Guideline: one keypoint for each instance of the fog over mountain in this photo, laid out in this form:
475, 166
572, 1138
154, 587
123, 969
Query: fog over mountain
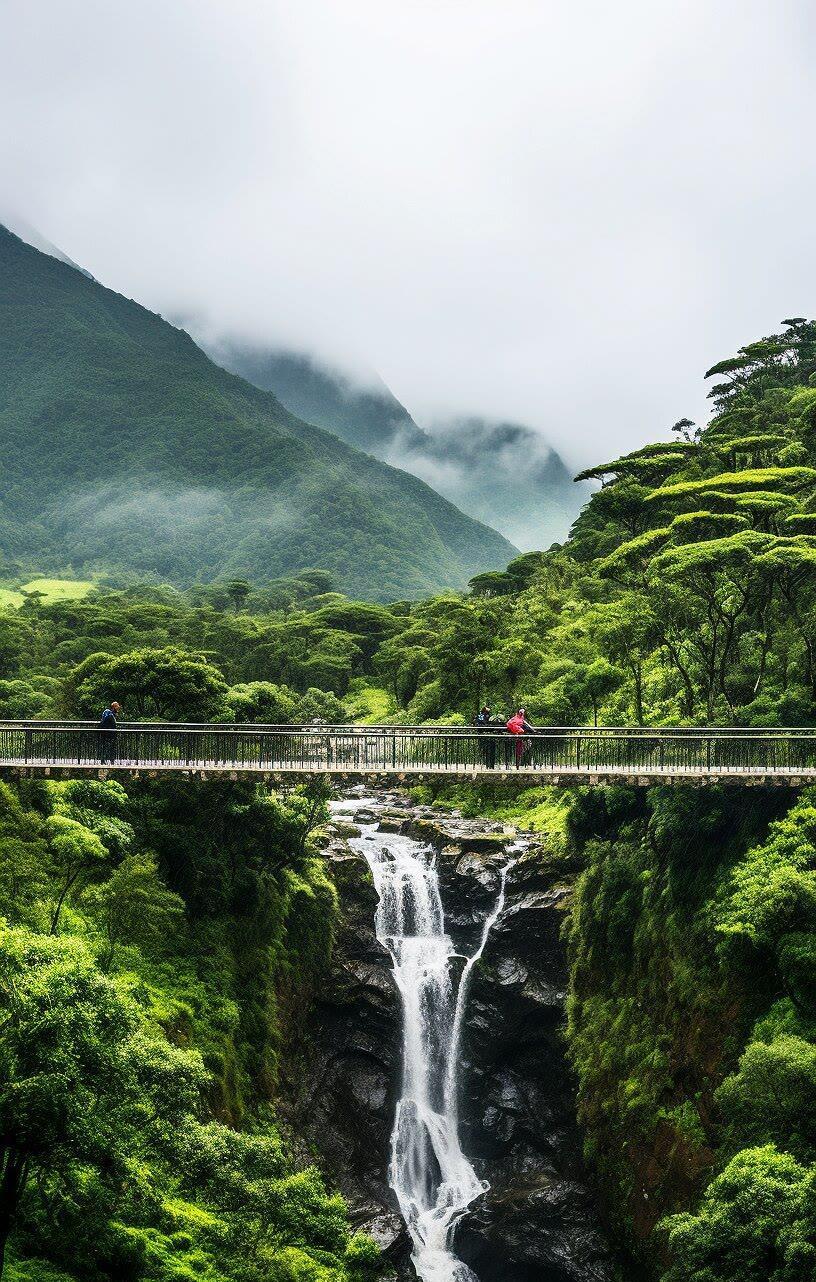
503, 473
127, 450
519, 210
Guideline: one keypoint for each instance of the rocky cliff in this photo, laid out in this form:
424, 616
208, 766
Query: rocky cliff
537, 1220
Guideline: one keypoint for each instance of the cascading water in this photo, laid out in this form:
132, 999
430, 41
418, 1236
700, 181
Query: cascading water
432, 1178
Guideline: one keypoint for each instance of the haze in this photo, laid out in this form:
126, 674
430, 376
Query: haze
558, 214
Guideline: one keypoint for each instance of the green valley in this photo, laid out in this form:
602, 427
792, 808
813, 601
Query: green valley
198, 919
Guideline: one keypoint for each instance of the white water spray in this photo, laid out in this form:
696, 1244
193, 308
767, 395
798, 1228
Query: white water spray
432, 1178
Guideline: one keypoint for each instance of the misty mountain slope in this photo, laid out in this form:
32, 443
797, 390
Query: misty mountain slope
370, 418
125, 446
504, 474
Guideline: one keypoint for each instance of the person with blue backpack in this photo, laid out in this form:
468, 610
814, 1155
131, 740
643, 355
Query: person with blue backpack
107, 733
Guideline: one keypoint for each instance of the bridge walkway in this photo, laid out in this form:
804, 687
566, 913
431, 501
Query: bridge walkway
559, 755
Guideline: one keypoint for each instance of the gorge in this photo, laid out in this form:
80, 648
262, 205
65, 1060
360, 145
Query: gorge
433, 1078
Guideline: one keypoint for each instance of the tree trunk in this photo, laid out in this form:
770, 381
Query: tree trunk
69, 883
637, 672
15, 1174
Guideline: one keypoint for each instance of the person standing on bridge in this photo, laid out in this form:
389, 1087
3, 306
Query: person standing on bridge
486, 729
520, 726
107, 733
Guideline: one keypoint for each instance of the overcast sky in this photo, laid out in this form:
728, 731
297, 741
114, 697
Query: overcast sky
556, 212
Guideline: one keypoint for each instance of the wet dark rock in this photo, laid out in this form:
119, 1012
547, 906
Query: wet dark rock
389, 824
340, 1081
467, 834
340, 828
537, 1222
386, 1228
541, 1230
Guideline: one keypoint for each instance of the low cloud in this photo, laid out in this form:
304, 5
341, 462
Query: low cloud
558, 215
505, 474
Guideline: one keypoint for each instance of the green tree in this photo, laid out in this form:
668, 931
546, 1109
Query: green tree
238, 590
85, 1083
168, 685
24, 860
76, 855
260, 701
756, 1223
320, 705
134, 907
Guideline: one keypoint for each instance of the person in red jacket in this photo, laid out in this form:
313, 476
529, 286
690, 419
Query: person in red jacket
520, 726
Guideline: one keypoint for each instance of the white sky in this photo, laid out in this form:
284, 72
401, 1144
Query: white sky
556, 212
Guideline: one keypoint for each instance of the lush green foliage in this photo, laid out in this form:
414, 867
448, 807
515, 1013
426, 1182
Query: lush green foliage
170, 655
156, 943
687, 592
757, 1222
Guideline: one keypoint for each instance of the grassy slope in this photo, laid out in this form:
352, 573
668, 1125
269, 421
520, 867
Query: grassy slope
121, 439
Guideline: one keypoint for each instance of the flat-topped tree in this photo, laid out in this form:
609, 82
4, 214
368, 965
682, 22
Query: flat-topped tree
796, 480
791, 562
766, 509
799, 523
780, 360
700, 527
760, 449
661, 456
494, 583
632, 558
238, 591
713, 586
617, 512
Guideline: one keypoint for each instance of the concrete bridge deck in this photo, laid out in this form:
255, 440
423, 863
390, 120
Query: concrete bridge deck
556, 755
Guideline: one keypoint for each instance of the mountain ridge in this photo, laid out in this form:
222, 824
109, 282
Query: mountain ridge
98, 393
500, 472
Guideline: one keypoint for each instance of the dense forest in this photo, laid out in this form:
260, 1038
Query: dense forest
158, 944
160, 948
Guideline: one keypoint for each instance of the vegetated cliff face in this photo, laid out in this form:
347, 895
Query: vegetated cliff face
537, 1221
691, 1024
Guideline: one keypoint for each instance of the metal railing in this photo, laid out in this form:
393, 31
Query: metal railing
701, 751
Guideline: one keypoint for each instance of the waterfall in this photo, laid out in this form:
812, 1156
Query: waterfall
432, 1178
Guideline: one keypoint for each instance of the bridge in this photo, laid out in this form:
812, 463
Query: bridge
555, 755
